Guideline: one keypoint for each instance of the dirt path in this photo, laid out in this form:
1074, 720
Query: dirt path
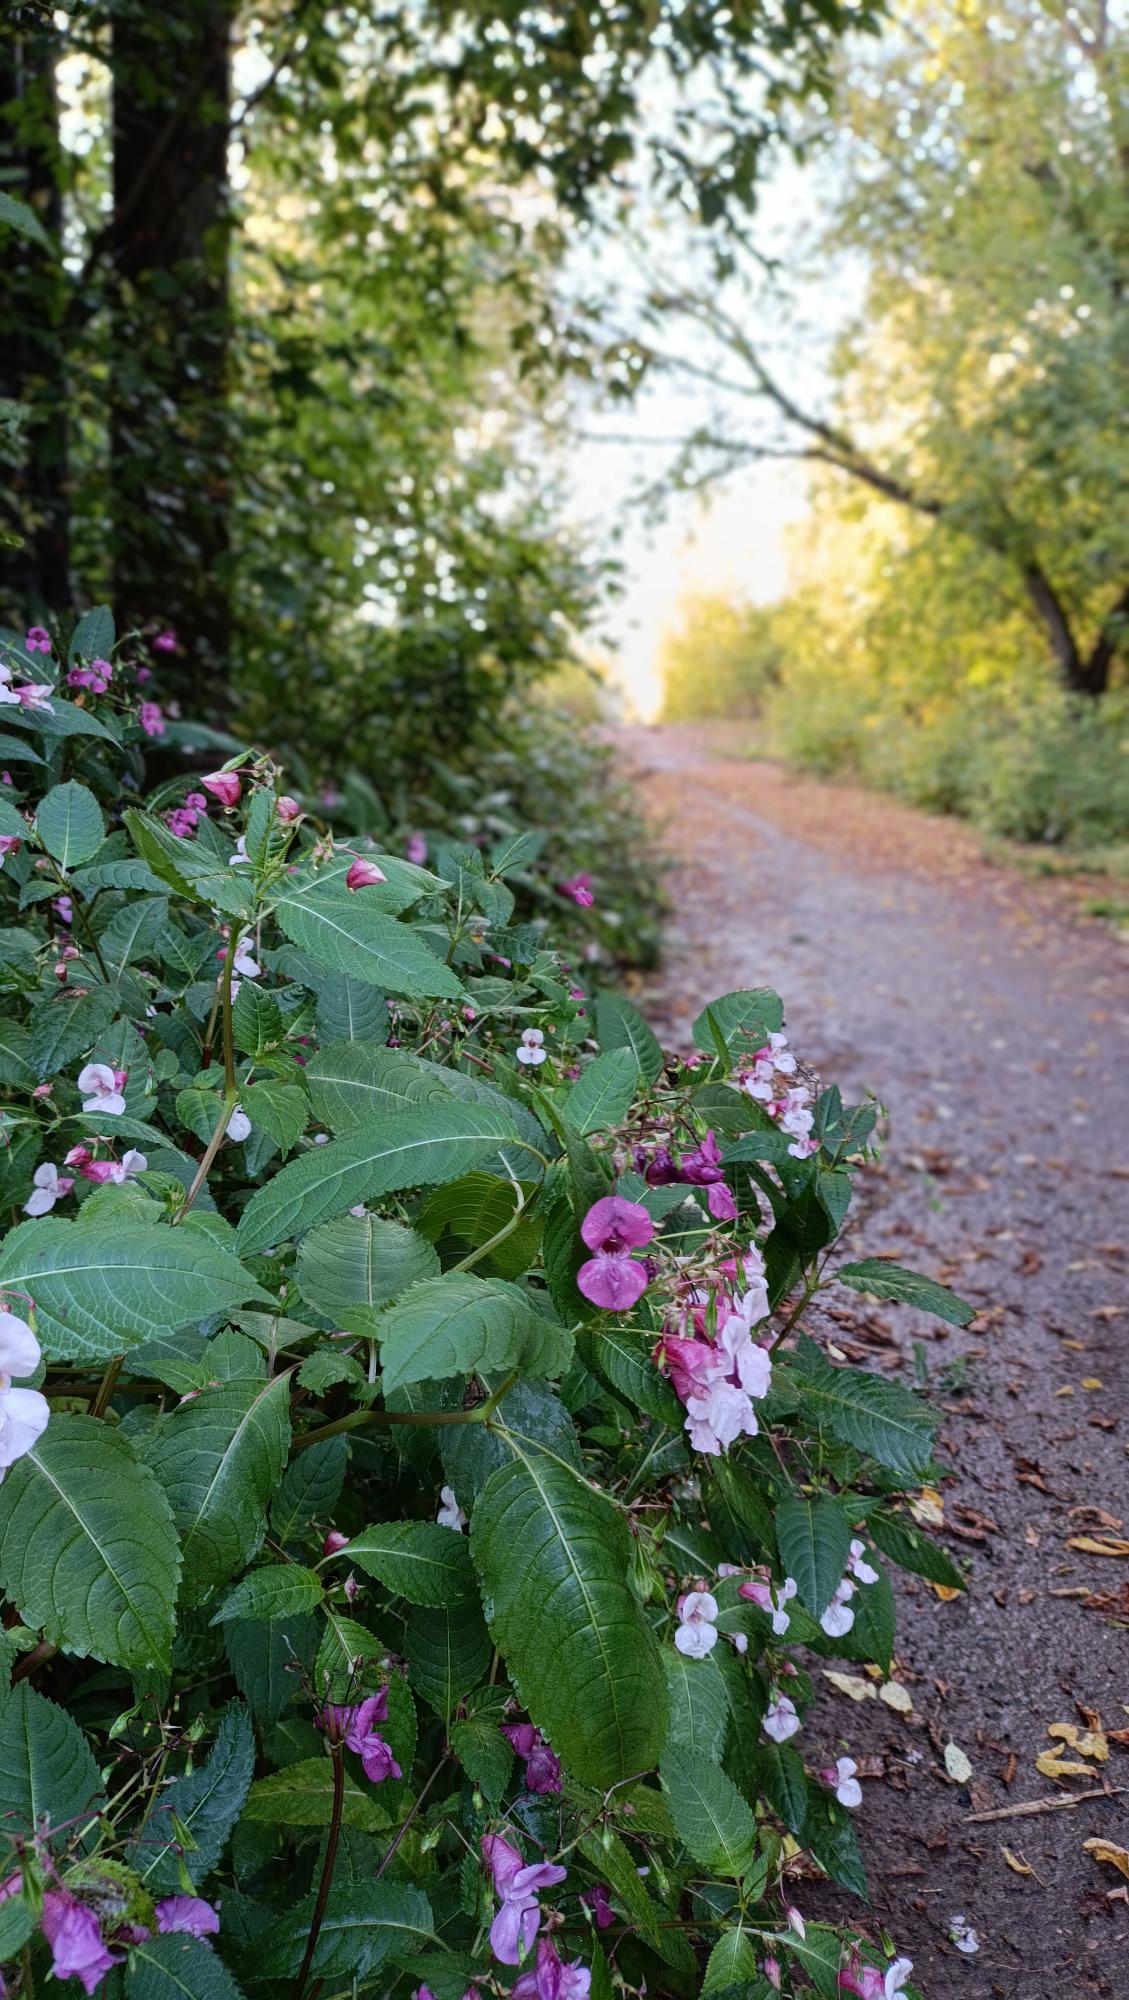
994, 1024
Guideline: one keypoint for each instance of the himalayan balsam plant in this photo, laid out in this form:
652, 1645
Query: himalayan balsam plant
421, 1501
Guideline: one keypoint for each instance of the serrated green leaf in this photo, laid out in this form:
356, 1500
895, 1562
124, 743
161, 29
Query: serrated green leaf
619, 1025
477, 1208
352, 1083
435, 1142
18, 216
780, 1771
601, 1097
310, 1489
909, 1546
67, 1025
448, 1652
458, 1323
177, 1967
88, 1551
256, 1019
45, 1766
699, 1705
189, 866
206, 1802
281, 1110
891, 1281
280, 1591
622, 1359
69, 823
348, 1010
348, 931
219, 1459
302, 1795
98, 1291
365, 1924
820, 1953
744, 1019
93, 636
553, 1558
878, 1417
417, 1560
711, 1818
361, 1260
814, 1540
271, 1661
732, 1962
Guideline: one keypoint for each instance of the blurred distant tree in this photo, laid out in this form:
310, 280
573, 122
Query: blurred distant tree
720, 659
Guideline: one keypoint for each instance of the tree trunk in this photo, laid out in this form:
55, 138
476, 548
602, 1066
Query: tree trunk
34, 573
169, 434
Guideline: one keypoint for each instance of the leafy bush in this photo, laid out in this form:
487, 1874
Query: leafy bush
326, 1210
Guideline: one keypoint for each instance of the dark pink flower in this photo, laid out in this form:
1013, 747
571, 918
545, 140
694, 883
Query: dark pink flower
364, 874
151, 719
38, 641
596, 1903
615, 1284
334, 1542
77, 1950
224, 786
415, 848
542, 1765
165, 642
353, 1726
518, 1921
552, 1979
187, 1913
579, 889
613, 1227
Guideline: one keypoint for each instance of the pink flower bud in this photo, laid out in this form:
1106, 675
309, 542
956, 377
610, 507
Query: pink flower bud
351, 1587
224, 786
42, 1090
334, 1542
287, 809
363, 874
78, 1156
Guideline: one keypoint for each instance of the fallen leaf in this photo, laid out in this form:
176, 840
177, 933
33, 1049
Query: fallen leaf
957, 1764
1087, 1742
1067, 1391
1107, 1312
1092, 1382
945, 1592
928, 1508
1093, 1545
852, 1685
896, 1696
1104, 1850
1060, 1767
1013, 1861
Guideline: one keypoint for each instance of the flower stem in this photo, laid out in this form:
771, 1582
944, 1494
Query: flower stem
106, 1386
358, 1418
202, 1171
337, 1752
229, 1081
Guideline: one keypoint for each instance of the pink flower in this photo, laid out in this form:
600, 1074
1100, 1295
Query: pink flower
224, 786
77, 1950
869, 1984
38, 641
334, 1542
518, 1921
542, 1765
287, 808
771, 1598
34, 695
187, 1913
24, 1413
530, 1050
552, 1979
165, 642
843, 1782
717, 1382
450, 1514
780, 1720
96, 676
579, 889
143, 674
363, 874
64, 909
100, 1087
613, 1227
771, 1970
697, 1634
48, 1187
415, 849
10, 843
353, 1726
78, 1156
595, 1903
115, 1171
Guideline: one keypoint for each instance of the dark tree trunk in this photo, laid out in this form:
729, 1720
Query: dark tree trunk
169, 436
34, 574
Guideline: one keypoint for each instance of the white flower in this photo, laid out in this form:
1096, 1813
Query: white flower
100, 1090
838, 1617
127, 1167
450, 1514
858, 1566
531, 1050
715, 1420
239, 1125
894, 1984
240, 858
781, 1720
780, 1595
963, 1935
23, 1412
848, 1791
697, 1634
49, 1187
243, 963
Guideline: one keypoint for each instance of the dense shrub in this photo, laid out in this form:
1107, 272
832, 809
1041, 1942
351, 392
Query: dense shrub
343, 1217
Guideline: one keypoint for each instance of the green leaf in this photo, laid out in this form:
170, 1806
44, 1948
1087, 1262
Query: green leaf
448, 1652
554, 1559
361, 1260
781, 1775
128, 874
814, 1539
87, 1546
93, 636
418, 1560
23, 220
310, 1489
189, 867
177, 1967
365, 1924
12, 823
484, 1754
271, 1660
281, 1110
302, 1795
744, 1019
99, 1290
46, 1768
878, 1417
529, 1416
256, 1019
67, 1026
912, 1549
70, 824
347, 931
206, 1801
276, 1592
602, 1095
456, 1324
349, 1011
219, 1459
820, 1953
475, 1209
17, 1922
732, 1962
62, 719
623, 1360
435, 1142
619, 1025
711, 1817
891, 1281
699, 1705
352, 1083
14, 751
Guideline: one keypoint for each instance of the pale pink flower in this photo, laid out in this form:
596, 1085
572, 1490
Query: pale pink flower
34, 695
553, 1978
73, 1933
151, 718
518, 1921
100, 1087
334, 1542
579, 889
697, 1633
530, 1050
771, 1970
224, 786
117, 1172
843, 1782
238, 1125
771, 1598
450, 1514
190, 1914
415, 848
858, 1566
781, 1719
48, 1187
23, 1412
838, 1617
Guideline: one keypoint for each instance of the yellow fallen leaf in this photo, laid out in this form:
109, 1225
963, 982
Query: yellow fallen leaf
957, 1764
1092, 1382
1093, 1545
1014, 1862
945, 1592
1060, 1767
1079, 1346
896, 1696
928, 1508
1104, 1850
852, 1685
1067, 1391
1087, 1742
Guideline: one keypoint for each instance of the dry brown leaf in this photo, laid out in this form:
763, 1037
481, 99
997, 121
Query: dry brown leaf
1093, 1545
1013, 1861
1060, 1767
852, 1685
1105, 1850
